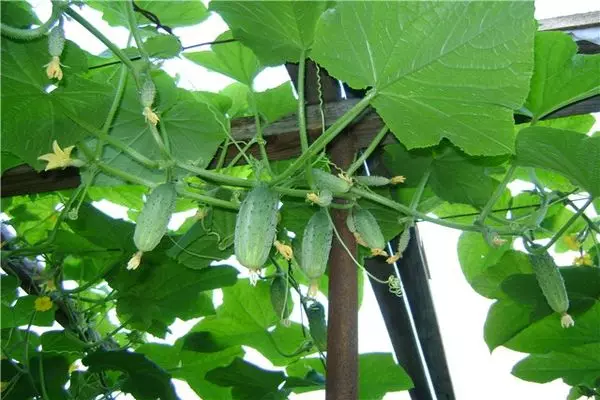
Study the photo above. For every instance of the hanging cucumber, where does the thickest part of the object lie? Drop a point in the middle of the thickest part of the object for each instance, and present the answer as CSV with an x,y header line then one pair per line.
x,y
316,245
255,227
553,286
153,220
317,325
326,181
366,230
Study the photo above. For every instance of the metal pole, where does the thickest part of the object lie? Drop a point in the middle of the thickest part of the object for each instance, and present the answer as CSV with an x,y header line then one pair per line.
x,y
342,333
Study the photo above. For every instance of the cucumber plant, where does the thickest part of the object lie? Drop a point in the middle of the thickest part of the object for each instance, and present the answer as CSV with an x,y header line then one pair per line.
x,y
437,122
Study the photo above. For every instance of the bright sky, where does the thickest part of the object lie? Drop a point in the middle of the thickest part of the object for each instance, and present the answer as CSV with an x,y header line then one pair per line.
x,y
476,374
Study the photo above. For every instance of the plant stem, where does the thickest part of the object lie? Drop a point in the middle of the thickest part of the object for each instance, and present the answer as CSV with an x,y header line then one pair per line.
x,y
133,27
566,226
30,34
126,176
368,151
207,199
496,195
414,202
159,141
113,109
145,161
327,137
302,114
224,149
259,134
112,47
384,201
241,153
214,176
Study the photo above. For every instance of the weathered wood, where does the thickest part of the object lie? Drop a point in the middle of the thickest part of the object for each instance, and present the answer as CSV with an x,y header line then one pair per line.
x,y
25,180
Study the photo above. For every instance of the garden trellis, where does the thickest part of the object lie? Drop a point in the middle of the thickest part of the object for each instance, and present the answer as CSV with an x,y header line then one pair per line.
x,y
350,127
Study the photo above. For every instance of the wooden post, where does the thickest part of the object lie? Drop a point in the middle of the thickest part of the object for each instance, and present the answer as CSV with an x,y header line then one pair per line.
x,y
342,332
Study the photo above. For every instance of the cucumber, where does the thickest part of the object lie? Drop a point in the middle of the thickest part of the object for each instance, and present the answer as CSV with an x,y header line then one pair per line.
x,y
552,284
316,245
281,299
255,227
367,231
327,181
317,325
148,93
56,41
153,221
372,180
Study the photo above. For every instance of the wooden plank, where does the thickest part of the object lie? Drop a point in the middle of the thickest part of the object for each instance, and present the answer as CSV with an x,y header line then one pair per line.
x,y
570,22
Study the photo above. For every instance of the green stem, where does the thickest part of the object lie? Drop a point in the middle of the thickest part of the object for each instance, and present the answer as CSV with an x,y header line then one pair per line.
x,y
112,47
140,158
126,176
241,153
566,226
384,201
215,176
207,199
222,155
496,195
324,139
368,151
414,202
133,27
30,34
113,109
42,377
159,141
302,114
259,133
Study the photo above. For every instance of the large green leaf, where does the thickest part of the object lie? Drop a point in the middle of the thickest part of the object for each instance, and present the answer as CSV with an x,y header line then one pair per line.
x,y
231,59
13,342
575,365
24,313
28,109
451,70
276,103
247,318
163,46
194,128
249,382
560,76
488,282
55,371
144,379
569,153
161,290
172,13
276,31
8,289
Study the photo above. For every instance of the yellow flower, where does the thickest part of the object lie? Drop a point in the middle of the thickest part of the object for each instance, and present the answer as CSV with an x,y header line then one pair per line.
x,y
53,69
43,303
60,158
343,176
284,250
397,179
572,242
566,321
150,116
359,239
201,213
585,259
312,197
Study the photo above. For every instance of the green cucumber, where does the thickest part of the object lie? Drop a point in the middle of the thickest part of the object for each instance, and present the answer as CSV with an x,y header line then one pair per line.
x,y
317,325
316,245
326,181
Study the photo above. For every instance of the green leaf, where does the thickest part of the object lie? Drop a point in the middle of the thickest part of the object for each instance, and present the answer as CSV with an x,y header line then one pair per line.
x,y
410,164
8,161
207,240
575,365
161,290
129,196
475,71
379,374
33,216
231,59
169,12
163,46
164,355
8,289
505,319
61,342
238,94
18,14
43,117
13,342
476,257
26,386
578,123
195,365
145,380
488,282
276,31
569,153
274,104
246,317
560,76
195,129
24,313
249,382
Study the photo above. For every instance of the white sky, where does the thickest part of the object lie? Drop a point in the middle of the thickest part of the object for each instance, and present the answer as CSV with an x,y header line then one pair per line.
x,y
461,312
